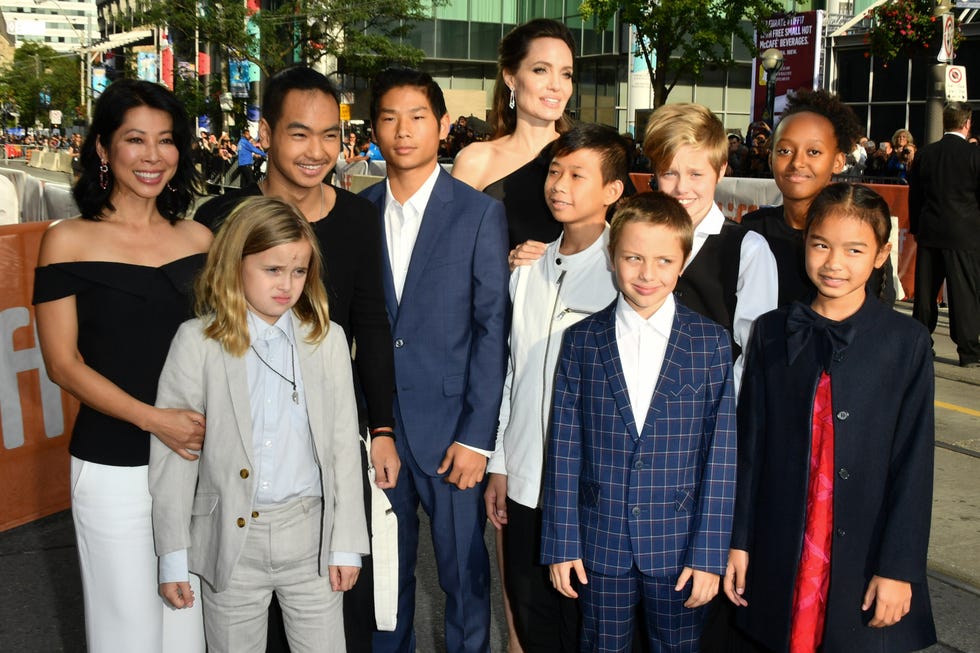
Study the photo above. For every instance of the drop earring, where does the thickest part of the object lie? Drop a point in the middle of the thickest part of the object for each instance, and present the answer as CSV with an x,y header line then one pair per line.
x,y
513,99
104,175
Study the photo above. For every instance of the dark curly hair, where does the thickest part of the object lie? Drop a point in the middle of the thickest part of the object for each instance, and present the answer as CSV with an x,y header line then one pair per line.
x,y
847,129
110,111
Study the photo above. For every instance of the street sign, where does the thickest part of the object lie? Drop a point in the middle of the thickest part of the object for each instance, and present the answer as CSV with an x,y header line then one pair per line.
x,y
956,83
966,4
946,47
345,112
54,117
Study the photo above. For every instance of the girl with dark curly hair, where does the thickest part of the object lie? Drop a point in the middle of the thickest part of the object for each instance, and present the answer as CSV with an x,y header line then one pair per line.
x,y
809,146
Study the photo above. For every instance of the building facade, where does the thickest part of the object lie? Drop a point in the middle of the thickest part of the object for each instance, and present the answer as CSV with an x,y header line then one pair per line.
x,y
64,25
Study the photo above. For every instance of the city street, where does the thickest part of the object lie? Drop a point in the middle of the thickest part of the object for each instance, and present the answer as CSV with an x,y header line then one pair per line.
x,y
41,606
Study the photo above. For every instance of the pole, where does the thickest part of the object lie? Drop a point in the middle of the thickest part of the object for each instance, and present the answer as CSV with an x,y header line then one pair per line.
x,y
936,87
770,98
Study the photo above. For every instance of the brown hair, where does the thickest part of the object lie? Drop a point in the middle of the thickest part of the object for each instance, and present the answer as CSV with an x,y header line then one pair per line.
x,y
654,208
511,52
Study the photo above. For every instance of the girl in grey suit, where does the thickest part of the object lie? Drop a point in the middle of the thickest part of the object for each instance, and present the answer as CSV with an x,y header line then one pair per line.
x,y
272,502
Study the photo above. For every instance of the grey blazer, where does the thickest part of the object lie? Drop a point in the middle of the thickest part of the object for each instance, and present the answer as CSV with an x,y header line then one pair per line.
x,y
205,506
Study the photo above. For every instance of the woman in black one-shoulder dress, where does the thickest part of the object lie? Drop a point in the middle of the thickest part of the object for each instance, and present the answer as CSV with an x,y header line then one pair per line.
x,y
110,290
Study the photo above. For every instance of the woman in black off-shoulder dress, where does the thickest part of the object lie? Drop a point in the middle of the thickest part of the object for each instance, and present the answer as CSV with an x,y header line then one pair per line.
x,y
110,290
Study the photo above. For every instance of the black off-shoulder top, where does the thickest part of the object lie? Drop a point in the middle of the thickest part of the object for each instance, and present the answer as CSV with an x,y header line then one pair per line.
x,y
127,316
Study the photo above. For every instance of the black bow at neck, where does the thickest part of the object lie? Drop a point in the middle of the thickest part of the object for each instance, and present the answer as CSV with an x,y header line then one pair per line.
x,y
830,338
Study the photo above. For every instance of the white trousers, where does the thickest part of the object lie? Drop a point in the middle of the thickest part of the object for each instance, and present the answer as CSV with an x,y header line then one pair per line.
x,y
281,555
123,607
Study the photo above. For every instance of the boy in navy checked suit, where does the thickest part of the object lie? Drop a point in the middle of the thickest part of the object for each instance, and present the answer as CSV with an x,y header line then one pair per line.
x,y
640,472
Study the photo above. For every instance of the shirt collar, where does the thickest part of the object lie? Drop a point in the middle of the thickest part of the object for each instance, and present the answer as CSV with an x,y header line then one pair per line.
x,y
420,199
960,134
259,329
662,321
712,222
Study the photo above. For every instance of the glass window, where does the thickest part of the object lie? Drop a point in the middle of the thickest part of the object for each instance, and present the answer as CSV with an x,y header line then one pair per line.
x,y
861,111
917,122
853,70
554,9
486,11
591,41
458,9
739,51
451,39
484,38
890,81
885,119
422,36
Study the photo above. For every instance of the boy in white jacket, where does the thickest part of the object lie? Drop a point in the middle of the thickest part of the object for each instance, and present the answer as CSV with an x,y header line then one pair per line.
x,y
570,281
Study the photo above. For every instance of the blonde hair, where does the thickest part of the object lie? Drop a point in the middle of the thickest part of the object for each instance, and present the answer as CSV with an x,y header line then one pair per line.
x,y
673,126
256,224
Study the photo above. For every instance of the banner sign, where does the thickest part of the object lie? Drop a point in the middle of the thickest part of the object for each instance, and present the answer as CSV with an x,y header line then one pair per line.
x,y
800,38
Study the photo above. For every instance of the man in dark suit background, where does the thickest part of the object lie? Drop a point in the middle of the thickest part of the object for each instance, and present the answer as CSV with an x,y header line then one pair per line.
x,y
445,280
944,212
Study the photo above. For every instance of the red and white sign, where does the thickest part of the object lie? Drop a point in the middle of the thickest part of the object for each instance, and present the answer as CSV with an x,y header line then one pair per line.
x,y
946,47
956,83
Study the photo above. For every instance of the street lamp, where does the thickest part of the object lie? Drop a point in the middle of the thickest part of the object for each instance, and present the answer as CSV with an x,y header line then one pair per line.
x,y
772,61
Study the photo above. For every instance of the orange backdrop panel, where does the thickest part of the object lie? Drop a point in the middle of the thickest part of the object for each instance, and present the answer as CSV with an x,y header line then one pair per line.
x,y
34,469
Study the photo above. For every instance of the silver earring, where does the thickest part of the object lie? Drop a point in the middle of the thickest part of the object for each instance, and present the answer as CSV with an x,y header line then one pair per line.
x,y
513,100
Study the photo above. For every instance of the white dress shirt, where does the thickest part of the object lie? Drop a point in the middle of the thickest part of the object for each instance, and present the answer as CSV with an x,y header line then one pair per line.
x,y
642,345
402,224
757,288
282,443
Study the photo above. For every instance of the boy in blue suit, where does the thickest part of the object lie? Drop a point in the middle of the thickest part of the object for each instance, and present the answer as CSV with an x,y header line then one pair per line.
x,y
445,277
640,473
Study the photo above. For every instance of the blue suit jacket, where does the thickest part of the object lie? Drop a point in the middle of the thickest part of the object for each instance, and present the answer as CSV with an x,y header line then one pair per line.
x,y
660,497
450,330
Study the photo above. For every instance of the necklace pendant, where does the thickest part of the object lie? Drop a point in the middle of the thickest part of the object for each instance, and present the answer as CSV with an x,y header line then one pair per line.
x,y
295,397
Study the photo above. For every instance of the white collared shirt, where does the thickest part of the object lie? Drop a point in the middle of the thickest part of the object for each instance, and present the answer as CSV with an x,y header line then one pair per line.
x,y
642,345
757,288
284,459
402,224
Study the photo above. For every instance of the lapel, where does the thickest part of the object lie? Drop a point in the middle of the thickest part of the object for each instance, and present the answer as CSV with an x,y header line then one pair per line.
x,y
391,304
434,220
314,385
609,354
676,358
237,376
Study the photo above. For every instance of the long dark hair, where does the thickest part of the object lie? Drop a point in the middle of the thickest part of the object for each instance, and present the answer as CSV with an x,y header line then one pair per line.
x,y
510,53
110,111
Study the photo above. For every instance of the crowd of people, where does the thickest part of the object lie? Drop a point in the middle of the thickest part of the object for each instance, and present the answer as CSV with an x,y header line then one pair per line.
x,y
664,415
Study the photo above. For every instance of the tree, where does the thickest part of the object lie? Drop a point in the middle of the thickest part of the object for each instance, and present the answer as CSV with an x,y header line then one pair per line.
x,y
37,69
363,36
685,37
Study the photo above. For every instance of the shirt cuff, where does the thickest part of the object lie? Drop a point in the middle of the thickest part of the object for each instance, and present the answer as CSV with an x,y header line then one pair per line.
x,y
343,559
480,451
173,567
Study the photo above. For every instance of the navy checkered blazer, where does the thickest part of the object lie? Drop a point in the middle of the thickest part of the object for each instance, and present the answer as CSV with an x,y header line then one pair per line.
x,y
660,497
